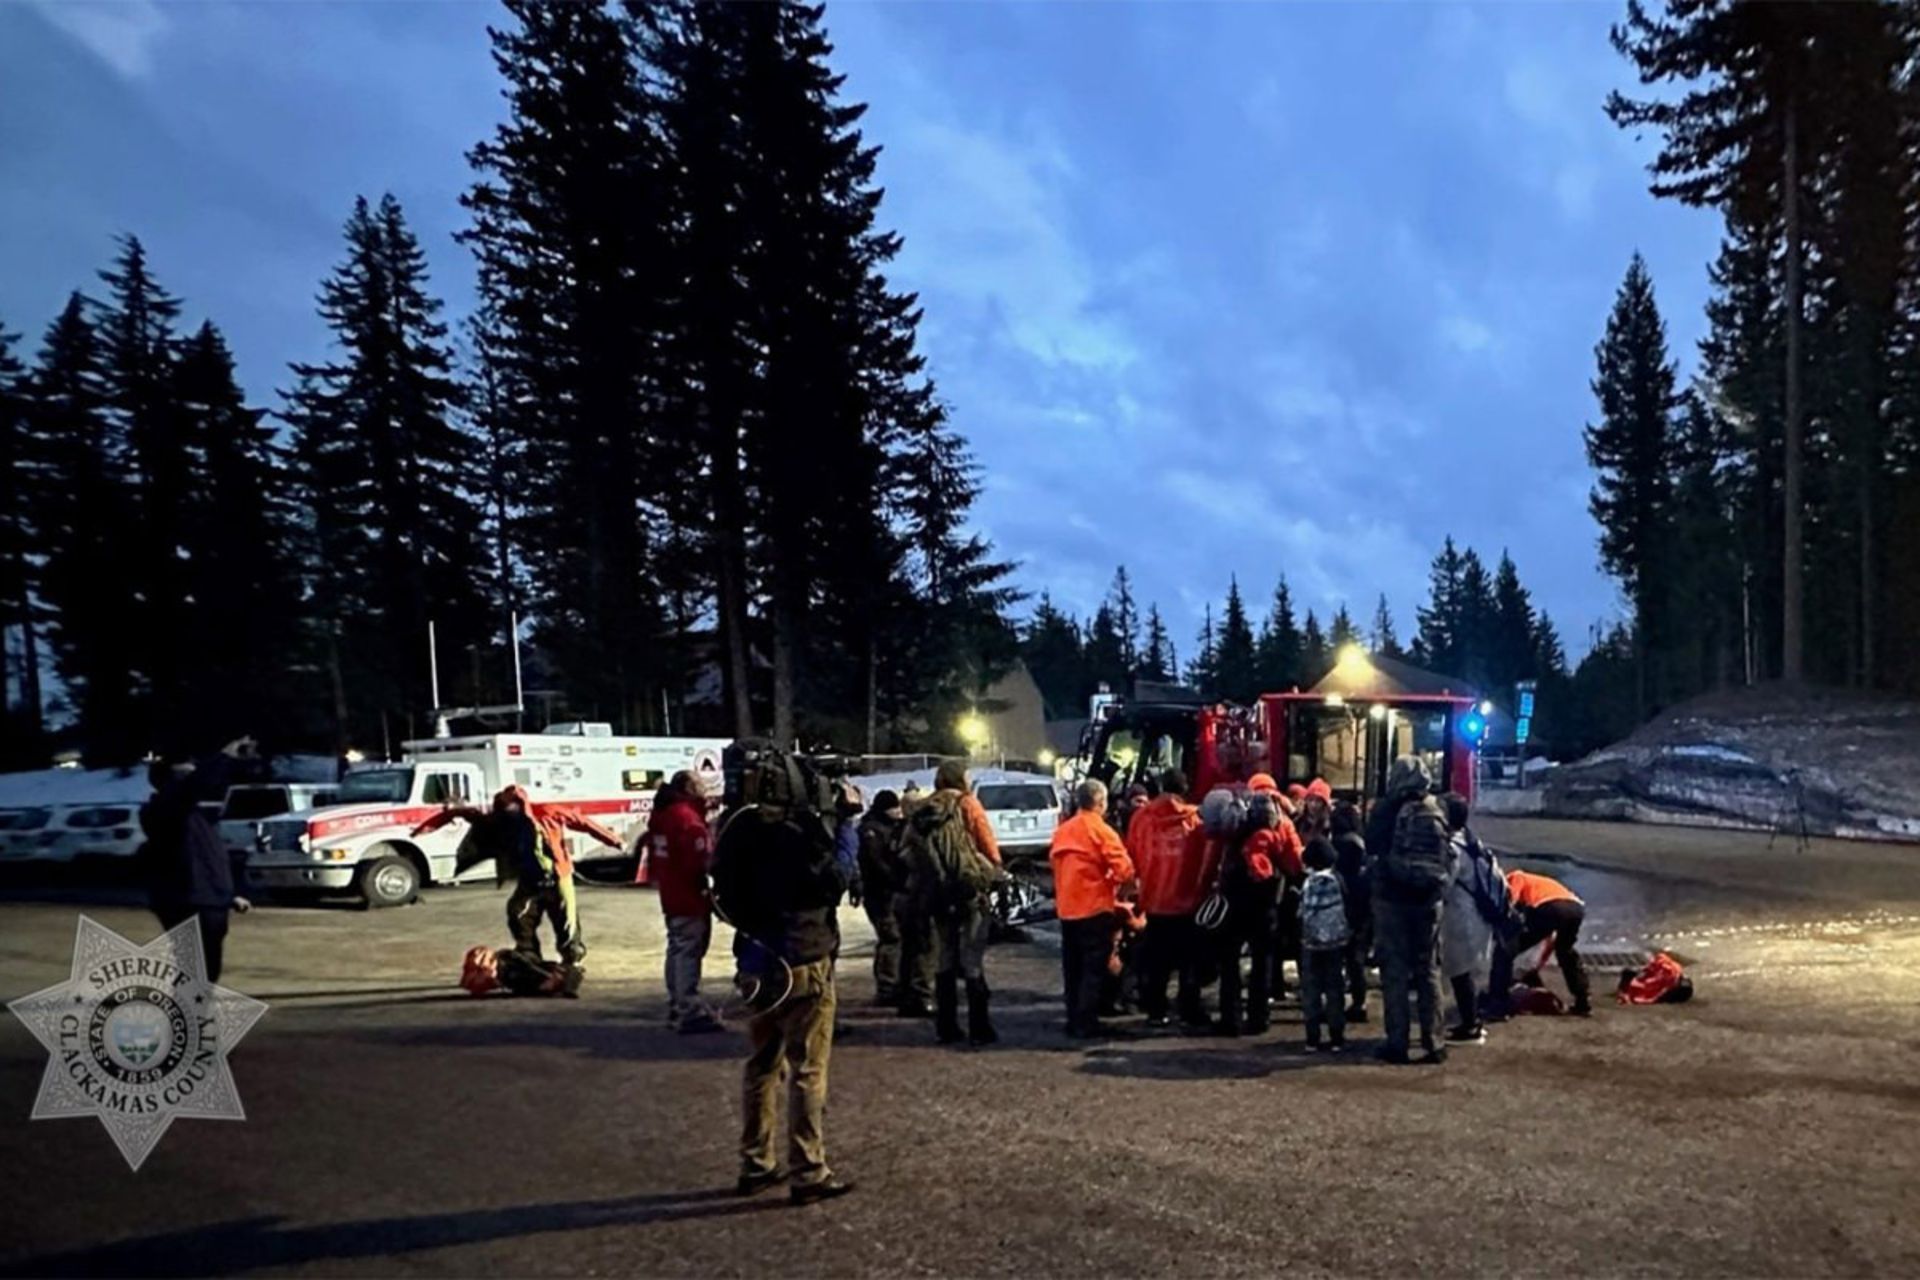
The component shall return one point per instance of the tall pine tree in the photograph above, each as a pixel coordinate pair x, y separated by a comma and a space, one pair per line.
1236, 672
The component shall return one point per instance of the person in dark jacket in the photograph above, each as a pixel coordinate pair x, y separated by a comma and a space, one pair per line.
188, 869
1406, 916
1350, 863
777, 880
882, 881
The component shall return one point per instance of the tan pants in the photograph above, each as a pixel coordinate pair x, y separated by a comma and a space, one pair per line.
529, 904
791, 1046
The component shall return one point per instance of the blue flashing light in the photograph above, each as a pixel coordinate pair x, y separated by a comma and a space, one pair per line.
1473, 727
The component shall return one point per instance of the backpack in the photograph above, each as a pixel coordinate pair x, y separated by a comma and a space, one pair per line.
1420, 860
947, 871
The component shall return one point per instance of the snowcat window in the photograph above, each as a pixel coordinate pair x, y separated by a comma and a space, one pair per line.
377, 786
641, 779
1329, 742
1422, 734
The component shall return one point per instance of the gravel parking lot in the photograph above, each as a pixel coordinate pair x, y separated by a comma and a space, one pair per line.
395, 1125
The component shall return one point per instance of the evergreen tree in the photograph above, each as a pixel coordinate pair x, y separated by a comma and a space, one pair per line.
1513, 648
85, 531
1126, 619
1203, 669
1738, 138
135, 327
1382, 638
1342, 632
1105, 656
1440, 644
1475, 627
1157, 661
1278, 654
1236, 673
21, 463
1050, 646
383, 470
1631, 449
571, 216
1315, 660
243, 668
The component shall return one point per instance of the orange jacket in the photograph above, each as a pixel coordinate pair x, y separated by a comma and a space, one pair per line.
553, 821
1089, 862
1530, 890
1282, 848
1171, 852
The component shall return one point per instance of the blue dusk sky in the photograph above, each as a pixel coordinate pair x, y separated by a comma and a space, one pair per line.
1213, 289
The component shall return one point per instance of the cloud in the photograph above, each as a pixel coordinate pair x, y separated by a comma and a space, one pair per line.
121, 33
1466, 334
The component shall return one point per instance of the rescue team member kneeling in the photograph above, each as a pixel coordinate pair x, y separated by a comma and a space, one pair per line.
775, 877
1089, 864
528, 842
1547, 908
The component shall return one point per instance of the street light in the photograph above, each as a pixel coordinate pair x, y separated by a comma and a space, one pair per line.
973, 729
1046, 759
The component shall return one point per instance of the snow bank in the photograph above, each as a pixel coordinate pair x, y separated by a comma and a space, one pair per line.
1844, 763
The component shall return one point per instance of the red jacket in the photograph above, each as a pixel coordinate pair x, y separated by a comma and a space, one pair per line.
1172, 855
679, 849
552, 821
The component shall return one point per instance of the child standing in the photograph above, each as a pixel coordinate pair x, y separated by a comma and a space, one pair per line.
1324, 934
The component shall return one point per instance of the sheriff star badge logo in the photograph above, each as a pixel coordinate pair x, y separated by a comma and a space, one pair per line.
137, 1036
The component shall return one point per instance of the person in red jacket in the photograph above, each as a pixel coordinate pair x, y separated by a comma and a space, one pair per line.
679, 848
1174, 860
528, 843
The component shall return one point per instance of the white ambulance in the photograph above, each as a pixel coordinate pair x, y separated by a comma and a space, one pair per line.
363, 842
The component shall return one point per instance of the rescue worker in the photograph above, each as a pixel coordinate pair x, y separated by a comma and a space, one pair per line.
883, 881
1290, 864
679, 849
1411, 868
1090, 863
777, 881
1350, 860
528, 842
1171, 853
1547, 909
188, 870
953, 859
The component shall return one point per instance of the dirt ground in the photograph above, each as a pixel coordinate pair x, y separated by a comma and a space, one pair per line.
396, 1126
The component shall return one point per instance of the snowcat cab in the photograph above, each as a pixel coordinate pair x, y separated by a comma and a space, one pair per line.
1348, 729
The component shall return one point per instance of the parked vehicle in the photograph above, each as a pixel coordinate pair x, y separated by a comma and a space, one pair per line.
62, 833
363, 842
252, 801
1024, 810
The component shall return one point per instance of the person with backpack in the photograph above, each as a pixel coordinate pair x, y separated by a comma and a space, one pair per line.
1324, 934
1169, 849
777, 880
953, 863
1547, 909
1476, 909
882, 882
678, 849
1090, 864
1250, 879
1410, 877
1350, 861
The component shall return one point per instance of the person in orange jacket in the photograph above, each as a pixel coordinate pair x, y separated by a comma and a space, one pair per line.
1253, 868
1090, 864
528, 842
1547, 909
1175, 861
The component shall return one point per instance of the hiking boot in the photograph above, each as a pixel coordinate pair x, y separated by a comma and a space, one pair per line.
915, 1007
1582, 1009
1336, 1046
700, 1024
825, 1189
1159, 1021
752, 1184
1475, 1034
1356, 1013
1435, 1057
1392, 1056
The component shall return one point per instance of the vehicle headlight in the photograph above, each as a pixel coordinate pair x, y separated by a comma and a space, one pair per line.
305, 842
